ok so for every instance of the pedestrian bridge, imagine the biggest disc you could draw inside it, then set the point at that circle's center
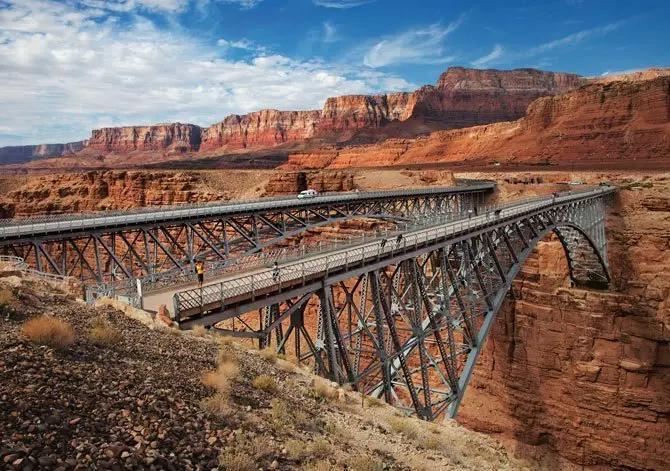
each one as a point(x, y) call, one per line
point(404, 316)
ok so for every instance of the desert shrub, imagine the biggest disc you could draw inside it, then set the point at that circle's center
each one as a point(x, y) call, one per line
point(321, 448)
point(297, 450)
point(269, 354)
point(103, 333)
point(49, 331)
point(199, 331)
point(218, 404)
point(403, 425)
point(265, 383)
point(6, 297)
point(286, 366)
point(237, 461)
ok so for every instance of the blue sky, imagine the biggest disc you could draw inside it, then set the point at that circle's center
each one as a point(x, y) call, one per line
point(70, 66)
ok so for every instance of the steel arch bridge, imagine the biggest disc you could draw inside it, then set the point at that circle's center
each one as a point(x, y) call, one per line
point(114, 246)
point(406, 319)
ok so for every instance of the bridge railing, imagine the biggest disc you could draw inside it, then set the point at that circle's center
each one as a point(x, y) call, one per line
point(305, 270)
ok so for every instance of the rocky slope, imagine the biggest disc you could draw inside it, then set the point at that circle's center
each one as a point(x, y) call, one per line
point(145, 397)
point(600, 122)
point(586, 372)
point(20, 154)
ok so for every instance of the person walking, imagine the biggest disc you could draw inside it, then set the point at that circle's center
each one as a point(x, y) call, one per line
point(275, 272)
point(200, 271)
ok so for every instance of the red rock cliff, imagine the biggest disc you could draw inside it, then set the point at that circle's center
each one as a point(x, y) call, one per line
point(266, 128)
point(171, 136)
point(601, 122)
point(585, 372)
point(462, 97)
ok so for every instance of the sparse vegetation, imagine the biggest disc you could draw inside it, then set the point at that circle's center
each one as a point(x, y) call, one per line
point(269, 354)
point(365, 463)
point(322, 390)
point(199, 331)
point(265, 383)
point(403, 425)
point(103, 333)
point(372, 401)
point(232, 460)
point(220, 380)
point(49, 331)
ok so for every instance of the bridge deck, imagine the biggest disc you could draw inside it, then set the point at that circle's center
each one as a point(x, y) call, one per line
point(19, 229)
point(236, 287)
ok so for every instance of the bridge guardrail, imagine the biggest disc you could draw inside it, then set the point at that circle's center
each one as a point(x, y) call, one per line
point(250, 284)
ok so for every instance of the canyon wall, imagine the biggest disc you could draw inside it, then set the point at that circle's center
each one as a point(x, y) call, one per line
point(173, 136)
point(600, 122)
point(586, 373)
point(266, 128)
point(20, 154)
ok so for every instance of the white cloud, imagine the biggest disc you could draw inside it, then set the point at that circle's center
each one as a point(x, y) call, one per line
point(342, 4)
point(243, 43)
point(329, 33)
point(573, 39)
point(244, 4)
point(417, 46)
point(130, 5)
point(496, 53)
point(66, 69)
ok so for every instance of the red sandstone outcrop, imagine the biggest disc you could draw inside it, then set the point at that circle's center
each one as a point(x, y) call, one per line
point(293, 183)
point(266, 128)
point(598, 122)
point(172, 136)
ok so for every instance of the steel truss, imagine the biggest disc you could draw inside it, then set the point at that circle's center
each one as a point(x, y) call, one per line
point(147, 250)
point(410, 328)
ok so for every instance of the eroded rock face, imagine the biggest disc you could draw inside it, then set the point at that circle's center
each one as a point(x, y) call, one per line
point(173, 136)
point(585, 372)
point(266, 128)
point(20, 154)
point(600, 122)
point(93, 191)
point(293, 183)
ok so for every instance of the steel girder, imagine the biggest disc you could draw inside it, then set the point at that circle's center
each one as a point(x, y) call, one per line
point(410, 329)
point(151, 251)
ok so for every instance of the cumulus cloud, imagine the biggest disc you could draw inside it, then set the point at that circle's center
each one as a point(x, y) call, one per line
point(243, 43)
point(495, 54)
point(66, 69)
point(417, 46)
point(342, 4)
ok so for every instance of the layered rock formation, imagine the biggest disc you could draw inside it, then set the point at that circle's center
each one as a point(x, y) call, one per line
point(585, 372)
point(20, 154)
point(293, 183)
point(266, 128)
point(462, 97)
point(600, 122)
point(173, 136)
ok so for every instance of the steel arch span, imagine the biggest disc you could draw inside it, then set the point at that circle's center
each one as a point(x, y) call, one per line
point(409, 327)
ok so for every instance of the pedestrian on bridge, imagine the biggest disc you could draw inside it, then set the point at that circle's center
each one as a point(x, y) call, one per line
point(275, 273)
point(200, 271)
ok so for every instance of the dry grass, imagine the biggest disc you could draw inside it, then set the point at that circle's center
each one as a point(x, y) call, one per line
point(286, 366)
point(297, 450)
point(103, 333)
point(220, 380)
point(237, 461)
point(323, 389)
point(403, 425)
point(265, 383)
point(6, 297)
point(269, 354)
point(50, 331)
point(365, 463)
point(321, 449)
point(218, 404)
point(199, 331)
point(373, 401)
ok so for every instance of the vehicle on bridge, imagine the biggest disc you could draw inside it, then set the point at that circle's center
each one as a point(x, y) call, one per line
point(310, 193)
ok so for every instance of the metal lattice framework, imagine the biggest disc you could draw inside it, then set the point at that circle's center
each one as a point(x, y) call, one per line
point(406, 321)
point(116, 246)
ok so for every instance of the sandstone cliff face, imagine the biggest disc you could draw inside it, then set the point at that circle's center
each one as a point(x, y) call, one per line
point(600, 122)
point(173, 136)
point(584, 372)
point(20, 154)
point(354, 112)
point(266, 128)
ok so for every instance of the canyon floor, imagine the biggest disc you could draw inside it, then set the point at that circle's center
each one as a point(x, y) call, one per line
point(570, 378)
